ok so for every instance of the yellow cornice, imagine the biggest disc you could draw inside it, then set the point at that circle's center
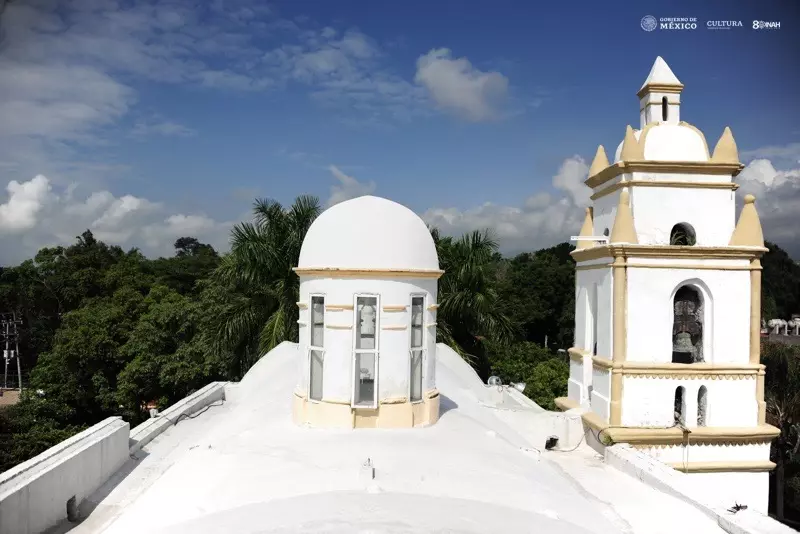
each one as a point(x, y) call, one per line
point(577, 354)
point(397, 308)
point(667, 167)
point(754, 466)
point(666, 251)
point(644, 436)
point(367, 273)
point(651, 183)
point(660, 88)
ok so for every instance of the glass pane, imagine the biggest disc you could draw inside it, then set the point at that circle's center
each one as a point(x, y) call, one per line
point(365, 378)
point(317, 321)
point(366, 311)
point(315, 384)
point(416, 321)
point(416, 375)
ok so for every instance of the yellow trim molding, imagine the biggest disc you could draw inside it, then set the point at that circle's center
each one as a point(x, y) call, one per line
point(393, 327)
point(577, 354)
point(619, 336)
point(394, 308)
point(673, 184)
point(693, 267)
point(593, 266)
point(332, 272)
point(668, 167)
point(660, 88)
point(647, 436)
point(339, 326)
point(338, 307)
point(615, 250)
point(390, 413)
point(302, 305)
point(755, 466)
point(433, 307)
point(679, 370)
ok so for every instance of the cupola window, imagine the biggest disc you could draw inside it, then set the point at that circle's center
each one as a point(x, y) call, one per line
point(316, 348)
point(417, 347)
point(664, 109)
point(679, 410)
point(702, 405)
point(365, 352)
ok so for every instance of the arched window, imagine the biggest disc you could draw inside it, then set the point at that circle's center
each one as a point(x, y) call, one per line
point(679, 410)
point(682, 235)
point(605, 232)
point(687, 326)
point(702, 406)
point(664, 109)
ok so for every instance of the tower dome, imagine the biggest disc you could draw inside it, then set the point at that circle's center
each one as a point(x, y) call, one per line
point(669, 142)
point(369, 233)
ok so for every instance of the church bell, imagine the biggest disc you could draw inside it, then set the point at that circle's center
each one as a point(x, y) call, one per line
point(683, 343)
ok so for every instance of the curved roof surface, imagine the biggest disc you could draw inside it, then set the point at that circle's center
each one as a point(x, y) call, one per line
point(670, 142)
point(371, 233)
point(244, 467)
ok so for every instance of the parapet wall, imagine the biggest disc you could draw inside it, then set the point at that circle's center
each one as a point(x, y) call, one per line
point(48, 488)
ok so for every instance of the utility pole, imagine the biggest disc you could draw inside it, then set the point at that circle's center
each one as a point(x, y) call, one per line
point(10, 332)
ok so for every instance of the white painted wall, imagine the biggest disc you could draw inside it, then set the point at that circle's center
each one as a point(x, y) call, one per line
point(604, 209)
point(650, 401)
point(585, 282)
point(711, 212)
point(751, 489)
point(394, 364)
point(601, 393)
point(650, 315)
point(34, 494)
point(648, 114)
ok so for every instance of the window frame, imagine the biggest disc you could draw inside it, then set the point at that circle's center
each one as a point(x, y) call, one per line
point(355, 372)
point(312, 348)
point(421, 349)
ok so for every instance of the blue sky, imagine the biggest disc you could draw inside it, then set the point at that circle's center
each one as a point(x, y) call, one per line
point(175, 116)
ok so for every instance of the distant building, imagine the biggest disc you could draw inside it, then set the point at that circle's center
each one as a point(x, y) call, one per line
point(666, 354)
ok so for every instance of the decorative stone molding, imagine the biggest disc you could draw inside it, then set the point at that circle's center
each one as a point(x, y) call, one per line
point(672, 184)
point(398, 308)
point(338, 307)
point(615, 250)
point(664, 167)
point(367, 273)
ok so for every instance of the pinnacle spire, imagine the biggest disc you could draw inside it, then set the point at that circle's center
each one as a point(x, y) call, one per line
point(630, 146)
point(726, 150)
point(599, 162)
point(748, 231)
point(587, 230)
point(623, 230)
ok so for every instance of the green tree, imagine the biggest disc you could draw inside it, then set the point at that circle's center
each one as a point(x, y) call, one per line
point(262, 290)
point(469, 308)
point(782, 396)
point(780, 284)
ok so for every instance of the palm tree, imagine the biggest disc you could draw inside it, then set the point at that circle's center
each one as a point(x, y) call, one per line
point(782, 396)
point(469, 308)
point(261, 302)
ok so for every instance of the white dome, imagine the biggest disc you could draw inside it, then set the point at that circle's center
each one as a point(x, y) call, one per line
point(671, 142)
point(369, 233)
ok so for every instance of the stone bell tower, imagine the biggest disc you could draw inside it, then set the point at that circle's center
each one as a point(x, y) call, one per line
point(667, 313)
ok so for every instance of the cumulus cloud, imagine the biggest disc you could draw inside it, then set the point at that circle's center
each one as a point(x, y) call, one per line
point(457, 86)
point(37, 213)
point(541, 220)
point(777, 195)
point(348, 187)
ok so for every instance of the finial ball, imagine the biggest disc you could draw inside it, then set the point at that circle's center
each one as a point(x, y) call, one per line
point(749, 199)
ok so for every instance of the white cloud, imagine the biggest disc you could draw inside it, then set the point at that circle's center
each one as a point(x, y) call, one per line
point(159, 126)
point(541, 220)
point(36, 214)
point(777, 195)
point(454, 84)
point(348, 187)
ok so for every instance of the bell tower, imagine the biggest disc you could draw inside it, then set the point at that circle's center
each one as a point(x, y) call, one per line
point(667, 314)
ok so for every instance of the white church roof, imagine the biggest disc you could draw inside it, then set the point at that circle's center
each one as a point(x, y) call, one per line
point(660, 74)
point(244, 467)
point(369, 232)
